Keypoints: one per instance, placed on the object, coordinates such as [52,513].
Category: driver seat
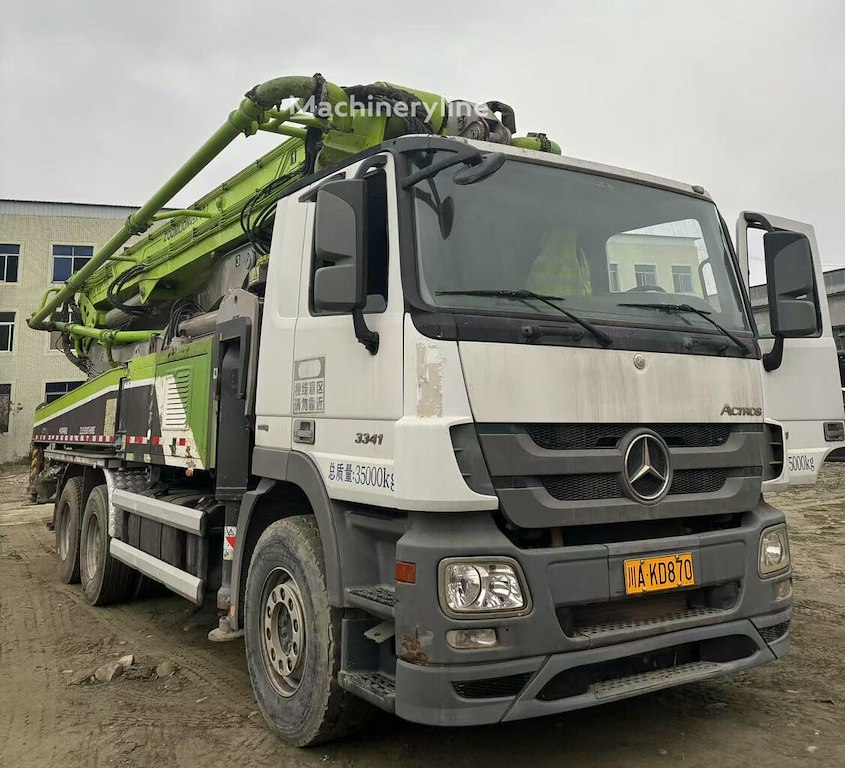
[561,267]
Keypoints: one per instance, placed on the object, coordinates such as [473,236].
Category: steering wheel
[638,288]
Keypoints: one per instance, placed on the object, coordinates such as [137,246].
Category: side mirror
[793,304]
[340,277]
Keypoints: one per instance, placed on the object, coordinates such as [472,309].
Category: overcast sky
[101,100]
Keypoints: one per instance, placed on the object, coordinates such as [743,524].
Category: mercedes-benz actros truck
[446,423]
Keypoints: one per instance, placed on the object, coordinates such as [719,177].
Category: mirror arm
[465,155]
[364,335]
[773,359]
[376,161]
[758,221]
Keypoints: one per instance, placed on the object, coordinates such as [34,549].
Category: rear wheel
[68,519]
[293,638]
[104,579]
[145,587]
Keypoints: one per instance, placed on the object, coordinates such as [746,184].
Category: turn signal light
[406,572]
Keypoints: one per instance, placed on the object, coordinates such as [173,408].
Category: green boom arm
[172,261]
[247,119]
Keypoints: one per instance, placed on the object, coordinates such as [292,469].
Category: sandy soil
[786,714]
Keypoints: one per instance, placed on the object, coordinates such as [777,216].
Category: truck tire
[145,587]
[67,525]
[104,579]
[293,638]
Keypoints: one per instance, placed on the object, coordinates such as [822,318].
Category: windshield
[598,243]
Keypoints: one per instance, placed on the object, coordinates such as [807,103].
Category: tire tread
[343,712]
[118,579]
[75,489]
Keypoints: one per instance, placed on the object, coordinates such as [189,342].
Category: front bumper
[430,694]
[540,654]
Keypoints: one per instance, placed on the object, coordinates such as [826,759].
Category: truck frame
[415,476]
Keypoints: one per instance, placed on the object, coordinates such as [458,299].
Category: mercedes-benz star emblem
[648,472]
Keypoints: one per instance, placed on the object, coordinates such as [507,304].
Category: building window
[682,278]
[56,389]
[5,406]
[613,272]
[7,331]
[645,274]
[9,255]
[68,259]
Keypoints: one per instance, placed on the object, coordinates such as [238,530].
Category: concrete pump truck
[447,424]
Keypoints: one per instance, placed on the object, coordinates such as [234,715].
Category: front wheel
[293,638]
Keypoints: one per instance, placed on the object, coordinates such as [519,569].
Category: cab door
[802,395]
[348,396]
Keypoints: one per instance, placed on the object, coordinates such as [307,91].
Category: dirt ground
[786,714]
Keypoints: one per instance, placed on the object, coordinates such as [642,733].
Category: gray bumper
[428,694]
[536,648]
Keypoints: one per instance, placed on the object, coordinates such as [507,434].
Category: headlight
[483,586]
[774,550]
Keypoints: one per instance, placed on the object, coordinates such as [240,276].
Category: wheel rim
[64,533]
[93,547]
[282,631]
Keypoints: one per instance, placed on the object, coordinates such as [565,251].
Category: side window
[377,248]
[376,245]
[682,278]
[645,274]
[68,259]
[7,331]
[9,255]
[613,276]
[758,289]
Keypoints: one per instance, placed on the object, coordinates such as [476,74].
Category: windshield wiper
[524,295]
[670,308]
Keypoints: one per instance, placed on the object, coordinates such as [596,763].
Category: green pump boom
[246,119]
[322,128]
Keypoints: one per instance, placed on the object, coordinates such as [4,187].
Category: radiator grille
[606,485]
[562,437]
[698,481]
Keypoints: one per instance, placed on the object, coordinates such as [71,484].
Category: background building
[41,243]
[636,259]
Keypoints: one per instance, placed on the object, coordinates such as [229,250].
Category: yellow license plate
[652,574]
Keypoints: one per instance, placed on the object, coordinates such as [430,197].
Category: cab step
[375,599]
[373,686]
